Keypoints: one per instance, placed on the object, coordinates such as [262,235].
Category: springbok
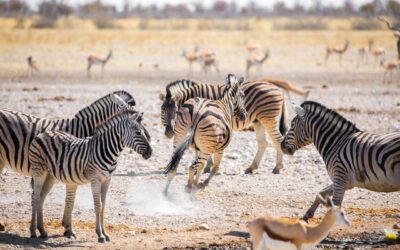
[208,60]
[389,66]
[251,47]
[256,61]
[92,60]
[396,33]
[363,53]
[338,50]
[32,66]
[191,57]
[278,234]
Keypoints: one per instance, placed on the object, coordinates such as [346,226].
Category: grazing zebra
[354,158]
[264,102]
[57,155]
[206,125]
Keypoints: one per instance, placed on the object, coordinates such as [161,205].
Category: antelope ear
[322,200]
[331,204]
[241,80]
[299,111]
[162,97]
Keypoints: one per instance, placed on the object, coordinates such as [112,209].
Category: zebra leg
[46,187]
[209,164]
[38,185]
[217,161]
[69,205]
[328,191]
[104,189]
[96,192]
[262,145]
[195,170]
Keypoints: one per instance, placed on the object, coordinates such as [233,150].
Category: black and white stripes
[17,129]
[57,155]
[354,158]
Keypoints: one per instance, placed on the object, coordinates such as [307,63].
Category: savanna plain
[137,214]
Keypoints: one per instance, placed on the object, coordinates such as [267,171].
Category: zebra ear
[162,97]
[139,117]
[118,100]
[299,111]
[241,80]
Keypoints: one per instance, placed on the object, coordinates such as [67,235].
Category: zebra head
[168,109]
[298,135]
[136,136]
[239,110]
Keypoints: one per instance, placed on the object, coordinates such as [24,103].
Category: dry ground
[137,215]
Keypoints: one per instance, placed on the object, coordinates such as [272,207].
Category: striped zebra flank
[18,129]
[264,102]
[58,155]
[206,125]
[353,158]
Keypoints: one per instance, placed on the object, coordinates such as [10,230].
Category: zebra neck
[328,132]
[107,145]
[209,91]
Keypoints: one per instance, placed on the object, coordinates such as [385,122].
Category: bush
[366,25]
[44,23]
[301,25]
[105,23]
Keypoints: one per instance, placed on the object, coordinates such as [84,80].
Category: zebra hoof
[207,170]
[108,238]
[70,235]
[33,236]
[249,171]
[43,235]
[102,239]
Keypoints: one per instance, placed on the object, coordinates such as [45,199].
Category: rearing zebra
[354,158]
[57,155]
[264,102]
[206,125]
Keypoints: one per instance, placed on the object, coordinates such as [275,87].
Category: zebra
[353,158]
[58,155]
[206,125]
[264,102]
[17,129]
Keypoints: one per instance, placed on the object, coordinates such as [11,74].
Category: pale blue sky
[268,3]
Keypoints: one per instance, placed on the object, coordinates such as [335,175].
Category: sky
[267,3]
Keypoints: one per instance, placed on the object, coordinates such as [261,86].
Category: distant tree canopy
[220,8]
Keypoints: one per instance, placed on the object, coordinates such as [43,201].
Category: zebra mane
[173,88]
[125,96]
[122,115]
[312,106]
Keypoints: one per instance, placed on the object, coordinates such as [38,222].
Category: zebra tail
[179,151]
[282,123]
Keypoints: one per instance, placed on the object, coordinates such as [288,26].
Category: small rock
[396,226]
[204,227]
[2,227]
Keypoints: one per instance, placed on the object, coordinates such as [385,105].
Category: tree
[394,8]
[54,9]
[368,9]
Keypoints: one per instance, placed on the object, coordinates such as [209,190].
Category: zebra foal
[206,125]
[57,155]
[353,158]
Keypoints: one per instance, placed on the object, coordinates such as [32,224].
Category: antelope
[191,57]
[279,234]
[389,66]
[32,66]
[337,50]
[363,53]
[208,60]
[92,60]
[396,33]
[256,61]
[378,53]
[250,47]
